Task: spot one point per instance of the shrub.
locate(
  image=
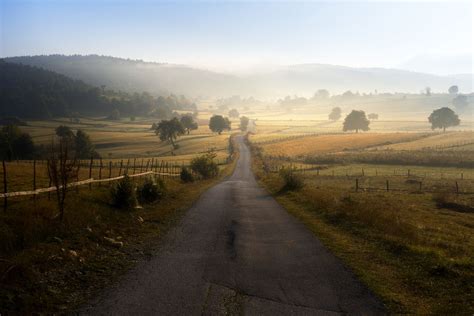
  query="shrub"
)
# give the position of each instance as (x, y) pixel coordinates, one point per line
(151, 190)
(205, 166)
(292, 180)
(123, 194)
(186, 175)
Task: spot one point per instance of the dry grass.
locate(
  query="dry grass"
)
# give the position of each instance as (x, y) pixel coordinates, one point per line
(416, 256)
(312, 145)
(50, 267)
(438, 140)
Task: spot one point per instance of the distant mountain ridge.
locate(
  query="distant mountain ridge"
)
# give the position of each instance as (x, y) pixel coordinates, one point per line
(302, 79)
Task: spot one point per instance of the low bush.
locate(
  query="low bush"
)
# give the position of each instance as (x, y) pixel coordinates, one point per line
(186, 175)
(205, 166)
(123, 194)
(292, 180)
(151, 190)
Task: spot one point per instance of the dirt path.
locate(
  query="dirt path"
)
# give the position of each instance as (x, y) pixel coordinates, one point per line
(238, 251)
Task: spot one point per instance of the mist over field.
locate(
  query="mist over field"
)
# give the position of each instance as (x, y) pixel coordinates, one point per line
(236, 158)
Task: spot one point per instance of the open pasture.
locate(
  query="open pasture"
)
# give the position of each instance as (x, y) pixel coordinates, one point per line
(124, 139)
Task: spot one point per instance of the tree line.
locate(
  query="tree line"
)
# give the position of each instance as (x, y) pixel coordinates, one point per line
(31, 92)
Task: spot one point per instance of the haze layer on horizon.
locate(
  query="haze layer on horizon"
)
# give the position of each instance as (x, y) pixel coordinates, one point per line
(432, 37)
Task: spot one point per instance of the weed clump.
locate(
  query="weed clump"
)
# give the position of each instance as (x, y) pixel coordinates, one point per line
(291, 180)
(151, 190)
(124, 194)
(186, 175)
(205, 166)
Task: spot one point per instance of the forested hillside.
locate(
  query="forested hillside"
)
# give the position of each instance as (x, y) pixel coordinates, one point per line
(277, 82)
(32, 92)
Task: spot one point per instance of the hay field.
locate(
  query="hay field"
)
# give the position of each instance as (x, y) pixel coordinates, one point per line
(311, 145)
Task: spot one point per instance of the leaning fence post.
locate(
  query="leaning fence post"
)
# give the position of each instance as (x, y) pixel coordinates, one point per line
(357, 184)
(100, 172)
(5, 190)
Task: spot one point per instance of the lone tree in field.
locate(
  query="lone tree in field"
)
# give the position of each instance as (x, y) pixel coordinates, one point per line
(234, 113)
(244, 123)
(335, 114)
(356, 120)
(218, 123)
(443, 118)
(453, 90)
(170, 130)
(188, 123)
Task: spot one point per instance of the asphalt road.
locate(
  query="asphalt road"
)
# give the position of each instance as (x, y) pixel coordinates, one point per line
(237, 251)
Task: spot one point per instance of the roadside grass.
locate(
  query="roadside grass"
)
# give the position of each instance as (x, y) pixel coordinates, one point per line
(412, 253)
(49, 267)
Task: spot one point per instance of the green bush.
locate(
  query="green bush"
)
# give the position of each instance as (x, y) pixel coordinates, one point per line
(123, 194)
(151, 190)
(186, 175)
(205, 166)
(292, 180)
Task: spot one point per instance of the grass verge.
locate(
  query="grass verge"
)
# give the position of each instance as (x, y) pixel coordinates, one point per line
(49, 267)
(412, 253)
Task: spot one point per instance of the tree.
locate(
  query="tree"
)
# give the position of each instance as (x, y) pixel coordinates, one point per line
(443, 118)
(114, 115)
(188, 123)
(62, 168)
(234, 113)
(170, 130)
(453, 90)
(218, 123)
(63, 131)
(14, 144)
(321, 94)
(373, 116)
(244, 122)
(428, 91)
(356, 120)
(83, 144)
(460, 102)
(335, 114)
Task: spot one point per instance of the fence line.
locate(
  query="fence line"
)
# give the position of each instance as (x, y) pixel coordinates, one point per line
(83, 182)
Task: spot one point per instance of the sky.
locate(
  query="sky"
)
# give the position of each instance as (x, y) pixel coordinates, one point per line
(435, 37)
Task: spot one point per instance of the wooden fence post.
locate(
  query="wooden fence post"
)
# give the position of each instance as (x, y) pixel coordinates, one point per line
(387, 186)
(421, 184)
(5, 189)
(100, 172)
(141, 166)
(462, 175)
(110, 169)
(457, 188)
(126, 168)
(363, 173)
(120, 169)
(408, 173)
(134, 165)
(90, 171)
(34, 175)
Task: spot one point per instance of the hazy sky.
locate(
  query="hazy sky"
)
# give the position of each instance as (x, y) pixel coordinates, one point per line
(239, 35)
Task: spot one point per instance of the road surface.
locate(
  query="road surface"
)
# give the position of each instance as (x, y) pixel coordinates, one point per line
(237, 251)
